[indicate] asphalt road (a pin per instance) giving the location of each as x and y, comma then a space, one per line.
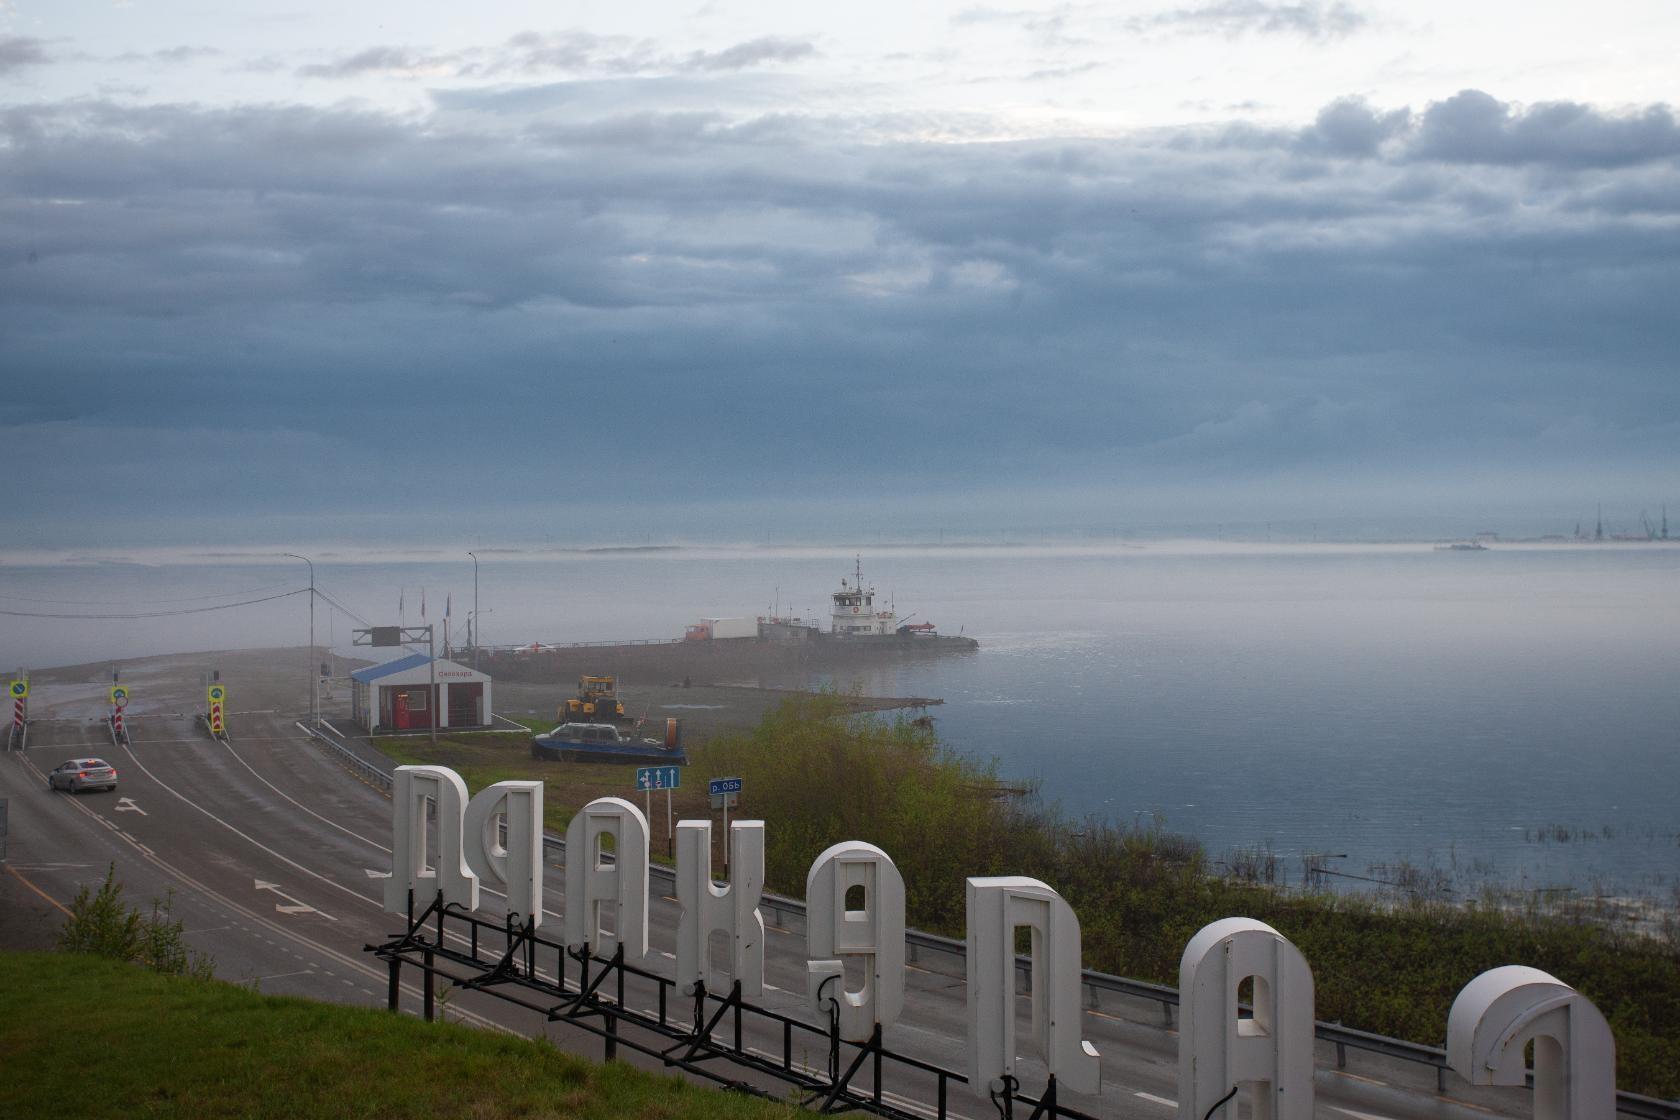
272, 854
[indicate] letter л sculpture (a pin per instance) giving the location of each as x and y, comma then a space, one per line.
996, 907
732, 910
1499, 1012
875, 933
592, 883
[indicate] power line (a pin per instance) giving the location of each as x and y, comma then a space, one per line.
156, 614
143, 602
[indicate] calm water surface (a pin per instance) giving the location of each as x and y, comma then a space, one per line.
1372, 704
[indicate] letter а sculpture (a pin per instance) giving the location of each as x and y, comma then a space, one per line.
1499, 1012
594, 884
1217, 1050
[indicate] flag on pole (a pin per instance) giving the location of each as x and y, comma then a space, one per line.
448, 603
422, 604
399, 604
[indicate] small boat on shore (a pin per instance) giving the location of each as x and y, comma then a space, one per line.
603, 742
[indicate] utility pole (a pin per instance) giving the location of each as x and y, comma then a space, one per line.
477, 622
314, 685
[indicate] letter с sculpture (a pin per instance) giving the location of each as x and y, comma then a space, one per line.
1499, 1012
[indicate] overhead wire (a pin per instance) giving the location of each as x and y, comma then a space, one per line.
142, 602
153, 614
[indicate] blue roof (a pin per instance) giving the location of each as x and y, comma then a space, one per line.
400, 665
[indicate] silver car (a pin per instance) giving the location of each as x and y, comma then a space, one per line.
83, 773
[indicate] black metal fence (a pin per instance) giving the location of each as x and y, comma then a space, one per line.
700, 1032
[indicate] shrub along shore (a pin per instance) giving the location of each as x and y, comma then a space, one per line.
819, 773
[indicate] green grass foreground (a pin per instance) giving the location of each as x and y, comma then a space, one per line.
818, 773
84, 1038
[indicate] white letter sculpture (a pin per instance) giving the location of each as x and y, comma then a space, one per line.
519, 865
733, 910
1502, 1010
592, 883
1217, 1051
452, 878
874, 932
996, 908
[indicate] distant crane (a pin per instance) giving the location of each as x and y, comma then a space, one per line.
1650, 529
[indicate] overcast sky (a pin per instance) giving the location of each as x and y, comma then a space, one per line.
299, 271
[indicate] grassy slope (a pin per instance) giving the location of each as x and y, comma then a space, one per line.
1140, 893
85, 1038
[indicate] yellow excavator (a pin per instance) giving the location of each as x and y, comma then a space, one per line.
596, 702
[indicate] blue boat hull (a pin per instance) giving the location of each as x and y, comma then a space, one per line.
567, 750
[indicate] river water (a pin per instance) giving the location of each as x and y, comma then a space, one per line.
1509, 716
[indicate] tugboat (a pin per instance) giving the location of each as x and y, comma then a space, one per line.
855, 615
602, 742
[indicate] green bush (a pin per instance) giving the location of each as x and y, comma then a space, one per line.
101, 924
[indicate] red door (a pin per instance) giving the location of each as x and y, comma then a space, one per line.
399, 712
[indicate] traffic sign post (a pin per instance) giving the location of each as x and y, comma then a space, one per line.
19, 690
119, 701
217, 694
667, 778
726, 794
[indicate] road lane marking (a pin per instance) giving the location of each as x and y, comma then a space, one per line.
127, 805
1357, 1115
1358, 1077
18, 875
297, 906
1153, 1099
372, 874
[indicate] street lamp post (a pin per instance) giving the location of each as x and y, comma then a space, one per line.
476, 620
314, 688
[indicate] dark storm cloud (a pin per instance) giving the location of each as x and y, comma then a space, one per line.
1339, 297
1474, 127
19, 51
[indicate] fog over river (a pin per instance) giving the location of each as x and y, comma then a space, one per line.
1506, 716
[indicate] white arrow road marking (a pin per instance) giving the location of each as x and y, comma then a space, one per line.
127, 805
372, 874
1151, 1097
296, 907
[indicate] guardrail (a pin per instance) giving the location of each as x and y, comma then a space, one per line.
780, 908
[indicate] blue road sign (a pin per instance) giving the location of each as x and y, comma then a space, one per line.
658, 777
717, 787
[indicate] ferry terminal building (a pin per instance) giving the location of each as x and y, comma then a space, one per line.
399, 695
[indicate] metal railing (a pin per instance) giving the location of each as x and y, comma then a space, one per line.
779, 908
